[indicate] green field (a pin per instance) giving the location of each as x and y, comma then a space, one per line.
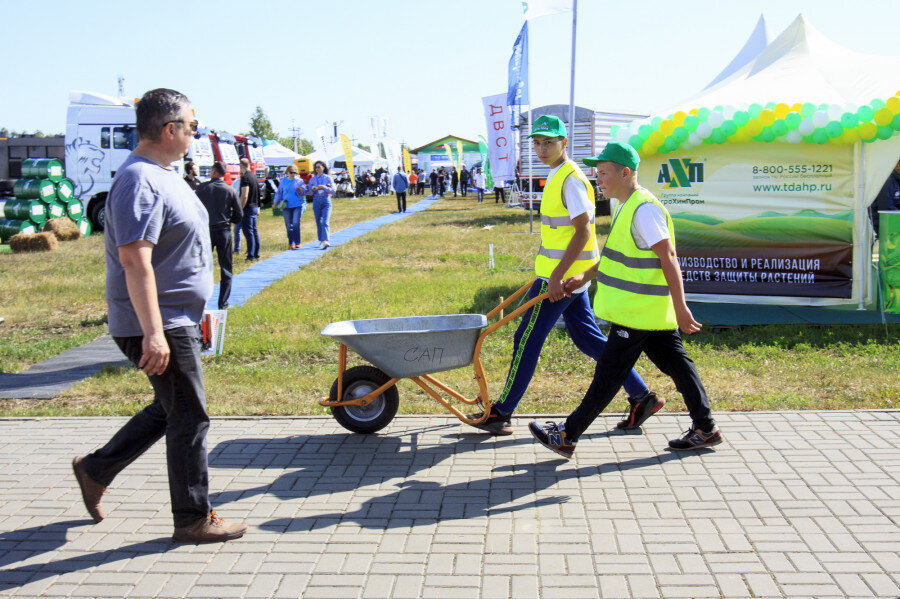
434, 262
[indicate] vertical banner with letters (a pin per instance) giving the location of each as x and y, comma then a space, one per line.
449, 153
407, 161
501, 143
760, 219
348, 158
459, 149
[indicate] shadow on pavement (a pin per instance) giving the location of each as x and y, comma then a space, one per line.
26, 543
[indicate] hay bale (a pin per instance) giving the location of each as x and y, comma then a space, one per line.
63, 228
39, 242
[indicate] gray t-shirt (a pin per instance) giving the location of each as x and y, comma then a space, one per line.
151, 203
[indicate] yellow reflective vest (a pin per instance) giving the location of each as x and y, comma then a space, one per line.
556, 226
631, 287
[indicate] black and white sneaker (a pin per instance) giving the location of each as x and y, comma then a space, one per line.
552, 435
696, 439
640, 410
496, 423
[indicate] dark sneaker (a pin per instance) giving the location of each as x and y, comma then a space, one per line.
553, 437
640, 410
211, 529
496, 423
91, 492
696, 439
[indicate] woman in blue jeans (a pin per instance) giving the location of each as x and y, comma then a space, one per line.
322, 187
292, 191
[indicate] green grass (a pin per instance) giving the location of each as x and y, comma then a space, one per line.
436, 262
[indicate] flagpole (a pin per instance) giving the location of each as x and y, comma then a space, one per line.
572, 84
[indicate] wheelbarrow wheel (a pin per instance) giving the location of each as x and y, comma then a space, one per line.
359, 381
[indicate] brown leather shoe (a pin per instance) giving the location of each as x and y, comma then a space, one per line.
91, 492
211, 529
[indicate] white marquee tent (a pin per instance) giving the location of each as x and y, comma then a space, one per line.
278, 155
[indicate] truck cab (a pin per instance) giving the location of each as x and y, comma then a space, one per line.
100, 134
250, 147
223, 147
200, 153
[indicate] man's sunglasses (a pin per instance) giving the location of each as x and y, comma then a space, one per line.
192, 124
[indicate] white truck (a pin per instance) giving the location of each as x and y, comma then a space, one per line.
100, 134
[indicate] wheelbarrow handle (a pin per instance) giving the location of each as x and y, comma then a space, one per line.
509, 300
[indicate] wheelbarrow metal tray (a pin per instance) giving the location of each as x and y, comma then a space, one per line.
412, 345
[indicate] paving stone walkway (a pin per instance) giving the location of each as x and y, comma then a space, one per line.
800, 504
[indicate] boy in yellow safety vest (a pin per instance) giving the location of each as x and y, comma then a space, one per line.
639, 291
568, 248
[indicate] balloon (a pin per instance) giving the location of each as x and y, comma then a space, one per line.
850, 136
741, 136
754, 110
729, 110
767, 117
883, 116
644, 131
623, 134
694, 139
819, 136
807, 110
877, 103
754, 128
691, 122
781, 110
793, 137
823, 107
792, 120
868, 131
728, 128
704, 130
680, 135
656, 139
885, 132
865, 113
656, 122
893, 104
678, 118
692, 111
741, 118
796, 107
834, 129
703, 113
820, 118
614, 130
767, 135
834, 112
896, 122
636, 142
779, 128
716, 119
667, 127
717, 137
806, 127
808, 139
849, 120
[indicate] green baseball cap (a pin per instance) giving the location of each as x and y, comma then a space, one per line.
548, 126
618, 152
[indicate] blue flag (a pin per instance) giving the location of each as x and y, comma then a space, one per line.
518, 70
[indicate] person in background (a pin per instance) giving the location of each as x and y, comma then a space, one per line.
224, 208
434, 182
641, 294
420, 190
499, 192
292, 192
413, 182
463, 181
400, 184
479, 180
158, 278
190, 175
888, 198
454, 180
250, 204
442, 181
322, 188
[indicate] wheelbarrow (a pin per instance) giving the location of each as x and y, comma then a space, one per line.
364, 399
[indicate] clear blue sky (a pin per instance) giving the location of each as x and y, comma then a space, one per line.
423, 64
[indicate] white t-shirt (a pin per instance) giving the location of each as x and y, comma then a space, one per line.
575, 199
648, 226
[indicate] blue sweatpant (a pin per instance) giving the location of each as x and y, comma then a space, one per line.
536, 324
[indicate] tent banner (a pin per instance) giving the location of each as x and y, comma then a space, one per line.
889, 259
449, 153
760, 219
407, 161
348, 158
485, 163
459, 153
500, 140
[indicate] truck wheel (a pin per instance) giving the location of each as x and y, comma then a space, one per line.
97, 214
359, 381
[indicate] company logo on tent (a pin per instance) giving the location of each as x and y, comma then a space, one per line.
680, 172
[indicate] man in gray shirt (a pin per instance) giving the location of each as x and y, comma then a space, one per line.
159, 275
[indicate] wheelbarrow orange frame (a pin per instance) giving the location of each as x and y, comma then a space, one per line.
424, 379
